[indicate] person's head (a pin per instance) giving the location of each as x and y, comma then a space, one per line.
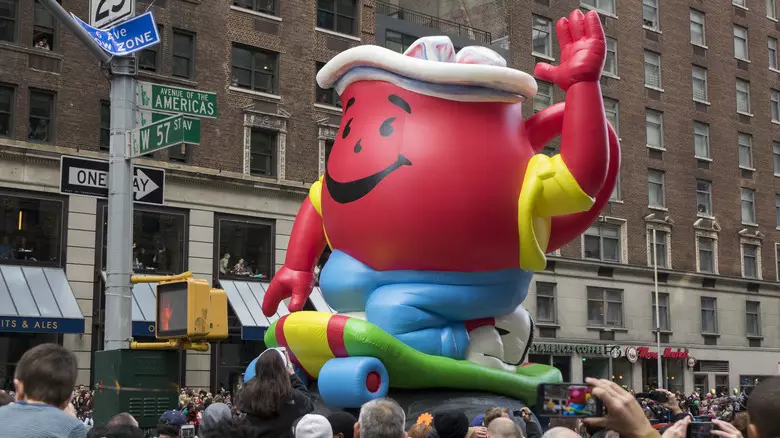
124, 431
568, 423
764, 408
343, 424
6, 398
493, 413
170, 423
97, 432
381, 418
451, 424
312, 426
419, 430
46, 374
741, 422
215, 414
270, 389
122, 419
503, 427
560, 432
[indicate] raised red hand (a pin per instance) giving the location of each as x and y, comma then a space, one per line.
583, 51
285, 284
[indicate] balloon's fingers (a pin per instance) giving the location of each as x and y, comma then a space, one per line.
563, 30
545, 72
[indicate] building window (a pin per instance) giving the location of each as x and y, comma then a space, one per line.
183, 54
772, 49
6, 109
8, 19
545, 302
663, 311
777, 211
159, 241
706, 254
105, 125
179, 153
605, 6
748, 382
661, 248
698, 34
650, 14
263, 153
741, 43
616, 196
777, 260
745, 150
44, 27
753, 318
398, 41
32, 230
771, 9
612, 110
775, 105
776, 157
544, 96
701, 140
41, 116
542, 36
709, 315
605, 307
704, 197
148, 58
652, 69
740, 3
254, 69
329, 96
748, 200
743, 96
602, 242
338, 16
654, 129
749, 260
699, 83
655, 188
264, 6
246, 248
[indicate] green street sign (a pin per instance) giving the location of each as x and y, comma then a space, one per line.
191, 129
166, 98
158, 135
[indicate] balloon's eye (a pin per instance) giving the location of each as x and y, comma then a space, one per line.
387, 127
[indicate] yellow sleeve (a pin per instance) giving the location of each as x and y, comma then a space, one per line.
549, 189
315, 195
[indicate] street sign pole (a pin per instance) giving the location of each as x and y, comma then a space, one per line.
118, 314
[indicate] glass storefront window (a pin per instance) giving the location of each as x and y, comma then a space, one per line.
159, 240
32, 230
12, 347
746, 383
246, 249
722, 384
701, 383
563, 363
596, 367
673, 372
622, 372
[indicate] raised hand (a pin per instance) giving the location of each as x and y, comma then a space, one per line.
583, 51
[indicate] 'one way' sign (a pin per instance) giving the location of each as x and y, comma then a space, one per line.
88, 177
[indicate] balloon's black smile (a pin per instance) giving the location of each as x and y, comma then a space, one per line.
346, 192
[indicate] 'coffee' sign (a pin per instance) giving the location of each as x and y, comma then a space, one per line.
645, 353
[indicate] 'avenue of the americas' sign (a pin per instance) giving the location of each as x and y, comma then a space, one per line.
176, 100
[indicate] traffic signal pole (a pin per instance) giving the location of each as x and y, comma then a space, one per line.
123, 70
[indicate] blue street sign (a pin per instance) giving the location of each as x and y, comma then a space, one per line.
123, 39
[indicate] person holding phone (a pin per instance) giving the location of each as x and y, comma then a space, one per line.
275, 397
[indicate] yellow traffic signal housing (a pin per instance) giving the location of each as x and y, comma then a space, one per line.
190, 309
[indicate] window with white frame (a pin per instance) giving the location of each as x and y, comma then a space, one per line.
616, 196
542, 36
709, 315
654, 129
650, 14
752, 318
611, 63
605, 6
605, 307
750, 254
544, 96
776, 157
660, 249
698, 34
699, 77
777, 211
775, 105
545, 303
652, 69
701, 140
706, 248
771, 9
741, 3
745, 150
777, 260
772, 51
741, 43
602, 242
748, 202
612, 111
743, 96
704, 197
655, 188
663, 311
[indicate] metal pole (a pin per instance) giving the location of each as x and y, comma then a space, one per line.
62, 15
657, 311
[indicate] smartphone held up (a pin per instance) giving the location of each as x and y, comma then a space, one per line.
568, 400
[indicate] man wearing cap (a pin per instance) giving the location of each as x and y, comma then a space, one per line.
312, 426
170, 424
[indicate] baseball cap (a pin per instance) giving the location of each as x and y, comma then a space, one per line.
312, 426
174, 418
214, 414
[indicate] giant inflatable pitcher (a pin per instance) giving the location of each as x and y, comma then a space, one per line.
438, 205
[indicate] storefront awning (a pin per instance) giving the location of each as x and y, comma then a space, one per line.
144, 308
38, 300
246, 298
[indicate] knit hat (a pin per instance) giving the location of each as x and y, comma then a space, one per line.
214, 414
451, 424
343, 423
312, 426
174, 418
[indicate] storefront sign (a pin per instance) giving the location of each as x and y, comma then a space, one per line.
581, 349
669, 353
21, 324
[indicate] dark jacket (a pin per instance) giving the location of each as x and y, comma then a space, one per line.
281, 424
532, 430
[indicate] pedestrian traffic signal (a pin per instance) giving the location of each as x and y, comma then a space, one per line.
190, 309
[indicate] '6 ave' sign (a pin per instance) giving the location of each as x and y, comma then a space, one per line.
105, 12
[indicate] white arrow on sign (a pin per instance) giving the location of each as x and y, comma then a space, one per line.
143, 185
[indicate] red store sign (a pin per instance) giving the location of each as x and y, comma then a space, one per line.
669, 353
